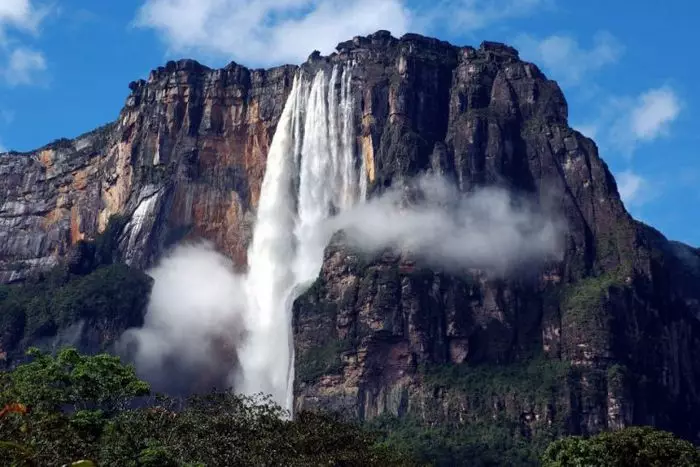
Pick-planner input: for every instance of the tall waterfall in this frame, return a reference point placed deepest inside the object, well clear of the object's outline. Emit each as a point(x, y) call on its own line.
point(312, 173)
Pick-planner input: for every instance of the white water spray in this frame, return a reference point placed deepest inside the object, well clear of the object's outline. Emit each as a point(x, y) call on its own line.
point(315, 144)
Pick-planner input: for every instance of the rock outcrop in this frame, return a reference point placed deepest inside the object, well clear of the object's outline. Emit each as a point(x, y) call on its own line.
point(185, 159)
point(609, 335)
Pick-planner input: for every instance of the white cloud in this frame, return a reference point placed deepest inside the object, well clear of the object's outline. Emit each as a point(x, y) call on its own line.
point(624, 123)
point(472, 15)
point(654, 112)
point(268, 31)
point(20, 64)
point(194, 322)
point(21, 14)
point(632, 187)
point(489, 229)
point(24, 66)
point(643, 119)
point(566, 59)
point(271, 32)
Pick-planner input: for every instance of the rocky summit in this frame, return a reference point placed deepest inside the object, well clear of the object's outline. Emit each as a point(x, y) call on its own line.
point(604, 338)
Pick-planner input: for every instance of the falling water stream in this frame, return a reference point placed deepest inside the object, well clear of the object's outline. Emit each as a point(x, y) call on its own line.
point(312, 173)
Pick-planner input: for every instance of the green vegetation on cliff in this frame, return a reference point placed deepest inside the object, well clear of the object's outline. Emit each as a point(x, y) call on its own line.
point(536, 382)
point(583, 304)
point(109, 295)
point(588, 293)
point(90, 286)
point(321, 360)
point(498, 414)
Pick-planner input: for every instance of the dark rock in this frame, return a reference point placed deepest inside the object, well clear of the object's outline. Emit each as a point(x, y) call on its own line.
point(499, 48)
point(80, 258)
point(315, 55)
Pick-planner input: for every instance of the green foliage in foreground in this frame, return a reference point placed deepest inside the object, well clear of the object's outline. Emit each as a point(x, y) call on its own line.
point(629, 447)
point(71, 407)
point(81, 409)
point(493, 445)
point(477, 444)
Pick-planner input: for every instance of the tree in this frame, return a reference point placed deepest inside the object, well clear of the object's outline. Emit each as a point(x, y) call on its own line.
point(629, 447)
point(66, 400)
point(71, 380)
point(60, 409)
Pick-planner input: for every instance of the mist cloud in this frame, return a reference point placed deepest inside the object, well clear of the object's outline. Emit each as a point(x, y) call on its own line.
point(488, 229)
point(194, 321)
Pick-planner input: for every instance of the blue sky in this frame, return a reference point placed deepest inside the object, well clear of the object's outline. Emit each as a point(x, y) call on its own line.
point(629, 72)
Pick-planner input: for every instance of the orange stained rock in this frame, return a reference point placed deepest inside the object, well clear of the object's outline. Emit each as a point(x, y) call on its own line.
point(80, 179)
point(14, 408)
point(368, 155)
point(75, 234)
point(46, 158)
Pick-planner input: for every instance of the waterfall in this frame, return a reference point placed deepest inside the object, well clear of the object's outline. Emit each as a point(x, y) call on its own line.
point(311, 174)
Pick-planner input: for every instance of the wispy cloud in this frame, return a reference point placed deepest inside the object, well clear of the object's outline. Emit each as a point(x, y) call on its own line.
point(626, 123)
point(21, 14)
point(633, 188)
point(488, 229)
point(267, 32)
point(463, 16)
point(272, 32)
point(20, 64)
point(643, 119)
point(654, 111)
point(647, 118)
point(24, 66)
point(623, 123)
point(568, 61)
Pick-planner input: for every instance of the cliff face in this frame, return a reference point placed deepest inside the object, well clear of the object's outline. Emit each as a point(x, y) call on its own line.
point(621, 307)
point(609, 336)
point(185, 159)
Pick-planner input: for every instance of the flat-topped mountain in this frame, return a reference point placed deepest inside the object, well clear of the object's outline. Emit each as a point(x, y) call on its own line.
point(607, 337)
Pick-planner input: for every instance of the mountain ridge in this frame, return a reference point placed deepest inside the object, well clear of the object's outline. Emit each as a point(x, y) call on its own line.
point(381, 336)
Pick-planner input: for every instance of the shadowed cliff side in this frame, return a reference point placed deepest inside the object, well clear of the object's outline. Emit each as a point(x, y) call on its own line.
point(377, 336)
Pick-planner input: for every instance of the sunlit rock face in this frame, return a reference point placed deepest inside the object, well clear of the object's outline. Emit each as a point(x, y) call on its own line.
point(186, 158)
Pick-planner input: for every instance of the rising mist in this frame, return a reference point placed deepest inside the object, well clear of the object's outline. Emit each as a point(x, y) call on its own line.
point(489, 229)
